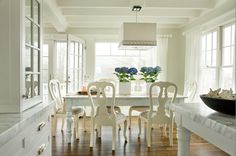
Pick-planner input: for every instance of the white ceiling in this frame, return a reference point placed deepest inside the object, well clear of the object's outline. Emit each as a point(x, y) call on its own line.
point(111, 13)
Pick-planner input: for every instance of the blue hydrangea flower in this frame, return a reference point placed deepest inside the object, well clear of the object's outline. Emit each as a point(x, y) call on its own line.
point(157, 69)
point(124, 70)
point(117, 70)
point(150, 70)
point(132, 71)
point(143, 69)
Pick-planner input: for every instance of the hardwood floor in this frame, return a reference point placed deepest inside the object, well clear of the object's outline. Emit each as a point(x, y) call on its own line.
point(134, 147)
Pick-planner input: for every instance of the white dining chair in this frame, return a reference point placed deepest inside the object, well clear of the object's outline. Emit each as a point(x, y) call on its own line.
point(114, 82)
point(59, 109)
point(101, 115)
point(190, 91)
point(162, 116)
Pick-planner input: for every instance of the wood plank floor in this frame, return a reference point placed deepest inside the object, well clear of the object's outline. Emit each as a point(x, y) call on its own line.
point(134, 147)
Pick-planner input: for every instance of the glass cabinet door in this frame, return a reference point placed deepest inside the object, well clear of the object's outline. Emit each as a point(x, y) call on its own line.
point(32, 50)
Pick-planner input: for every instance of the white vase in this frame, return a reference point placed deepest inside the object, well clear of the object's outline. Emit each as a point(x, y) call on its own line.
point(154, 89)
point(124, 88)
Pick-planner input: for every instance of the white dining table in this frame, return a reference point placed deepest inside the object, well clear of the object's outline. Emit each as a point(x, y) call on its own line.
point(121, 100)
point(216, 128)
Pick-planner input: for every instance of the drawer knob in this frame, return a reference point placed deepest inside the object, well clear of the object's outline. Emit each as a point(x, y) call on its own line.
point(41, 125)
point(41, 149)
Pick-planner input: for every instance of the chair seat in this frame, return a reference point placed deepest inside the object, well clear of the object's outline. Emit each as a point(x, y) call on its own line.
point(145, 114)
point(75, 110)
point(120, 116)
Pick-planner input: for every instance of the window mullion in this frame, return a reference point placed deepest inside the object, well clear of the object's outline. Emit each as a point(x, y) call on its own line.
point(219, 55)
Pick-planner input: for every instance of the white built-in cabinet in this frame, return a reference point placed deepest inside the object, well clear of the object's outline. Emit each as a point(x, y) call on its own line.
point(20, 54)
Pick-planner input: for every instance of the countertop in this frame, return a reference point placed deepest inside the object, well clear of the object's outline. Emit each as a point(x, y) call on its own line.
point(223, 124)
point(13, 123)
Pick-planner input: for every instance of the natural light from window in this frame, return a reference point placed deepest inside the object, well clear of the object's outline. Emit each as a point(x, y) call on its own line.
point(108, 57)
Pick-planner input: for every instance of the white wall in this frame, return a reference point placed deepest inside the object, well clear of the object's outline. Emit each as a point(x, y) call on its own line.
point(175, 63)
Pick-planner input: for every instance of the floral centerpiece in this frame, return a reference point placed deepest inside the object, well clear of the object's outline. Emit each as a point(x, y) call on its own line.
point(125, 75)
point(149, 75)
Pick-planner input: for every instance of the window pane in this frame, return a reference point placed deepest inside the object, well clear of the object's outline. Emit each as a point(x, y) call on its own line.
point(36, 61)
point(76, 48)
point(28, 85)
point(214, 40)
point(226, 60)
point(71, 60)
point(28, 30)
point(209, 41)
point(45, 63)
point(28, 67)
point(76, 61)
point(227, 36)
point(227, 78)
point(36, 36)
point(208, 58)
point(214, 58)
point(102, 48)
point(72, 48)
point(36, 11)
point(36, 85)
point(233, 35)
point(45, 49)
point(204, 43)
point(207, 80)
point(80, 49)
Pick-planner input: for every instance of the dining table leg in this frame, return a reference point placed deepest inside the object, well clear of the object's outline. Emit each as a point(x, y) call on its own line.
point(183, 136)
point(68, 120)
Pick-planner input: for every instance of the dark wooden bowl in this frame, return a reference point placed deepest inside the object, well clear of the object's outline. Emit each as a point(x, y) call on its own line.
point(221, 105)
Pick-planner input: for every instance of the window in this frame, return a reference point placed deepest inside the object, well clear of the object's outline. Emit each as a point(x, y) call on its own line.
point(227, 56)
point(217, 61)
point(108, 57)
point(32, 49)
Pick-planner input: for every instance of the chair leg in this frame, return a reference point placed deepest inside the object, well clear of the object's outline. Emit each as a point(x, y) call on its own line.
point(76, 126)
point(84, 118)
point(164, 130)
point(148, 134)
point(62, 124)
point(119, 110)
point(170, 134)
point(139, 126)
point(54, 125)
point(92, 133)
point(125, 127)
point(113, 138)
point(99, 131)
point(130, 114)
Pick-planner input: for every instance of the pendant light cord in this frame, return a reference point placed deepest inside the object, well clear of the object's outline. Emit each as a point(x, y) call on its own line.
point(136, 17)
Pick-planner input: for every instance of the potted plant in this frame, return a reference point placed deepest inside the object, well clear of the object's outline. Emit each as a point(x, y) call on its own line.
point(149, 75)
point(125, 75)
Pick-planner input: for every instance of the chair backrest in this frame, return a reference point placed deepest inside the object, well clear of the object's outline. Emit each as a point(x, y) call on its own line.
point(101, 100)
point(164, 96)
point(190, 90)
point(55, 93)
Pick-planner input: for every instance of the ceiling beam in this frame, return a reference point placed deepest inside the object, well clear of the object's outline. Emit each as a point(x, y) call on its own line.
point(128, 12)
point(53, 14)
point(112, 25)
point(180, 4)
point(95, 19)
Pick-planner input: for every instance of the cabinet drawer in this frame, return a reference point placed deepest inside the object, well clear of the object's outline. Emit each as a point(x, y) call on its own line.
point(40, 127)
point(42, 147)
point(15, 147)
